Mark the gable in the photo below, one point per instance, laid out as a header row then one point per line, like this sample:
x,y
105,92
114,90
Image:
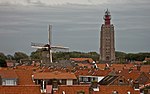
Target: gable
x,y
120,80
143,78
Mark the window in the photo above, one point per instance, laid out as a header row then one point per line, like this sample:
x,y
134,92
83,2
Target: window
x,y
80,79
95,79
120,81
9,82
89,79
107,58
85,79
69,82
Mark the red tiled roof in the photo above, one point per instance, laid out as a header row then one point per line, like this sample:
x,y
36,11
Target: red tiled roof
x,y
101,72
133,74
24,67
8,73
116,66
101,66
83,65
121,66
25,77
103,89
82,59
72,89
145,68
54,75
92,72
20,90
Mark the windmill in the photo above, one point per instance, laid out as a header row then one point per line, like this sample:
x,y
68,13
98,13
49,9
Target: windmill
x,y
49,48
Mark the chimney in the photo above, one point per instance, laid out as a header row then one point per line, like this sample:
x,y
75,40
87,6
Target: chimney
x,y
139,67
107,66
90,90
94,86
136,85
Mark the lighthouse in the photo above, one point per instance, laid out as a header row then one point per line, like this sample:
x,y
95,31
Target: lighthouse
x,y
107,42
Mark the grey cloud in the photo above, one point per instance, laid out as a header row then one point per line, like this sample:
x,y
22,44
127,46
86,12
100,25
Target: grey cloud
x,y
75,26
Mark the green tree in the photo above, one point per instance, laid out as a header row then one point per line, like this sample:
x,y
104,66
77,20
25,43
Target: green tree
x,y
137,56
68,55
10,57
2,63
36,55
120,56
20,55
2,56
94,56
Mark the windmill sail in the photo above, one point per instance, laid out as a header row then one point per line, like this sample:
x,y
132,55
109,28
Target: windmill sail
x,y
47,54
50,39
38,45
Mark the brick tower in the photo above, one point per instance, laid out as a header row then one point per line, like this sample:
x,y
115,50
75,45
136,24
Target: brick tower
x,y
107,43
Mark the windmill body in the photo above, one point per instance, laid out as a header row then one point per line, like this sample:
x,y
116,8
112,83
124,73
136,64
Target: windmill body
x,y
48,48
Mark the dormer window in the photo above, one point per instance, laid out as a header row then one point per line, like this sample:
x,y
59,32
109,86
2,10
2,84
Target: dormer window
x,y
9,82
120,81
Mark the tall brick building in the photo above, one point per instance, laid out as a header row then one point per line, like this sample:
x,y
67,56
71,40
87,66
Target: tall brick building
x,y
107,43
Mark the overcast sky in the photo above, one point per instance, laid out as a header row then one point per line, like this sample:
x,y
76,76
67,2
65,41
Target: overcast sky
x,y
76,24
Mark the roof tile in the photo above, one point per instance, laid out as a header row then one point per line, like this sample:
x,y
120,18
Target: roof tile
x,y
54,75
20,89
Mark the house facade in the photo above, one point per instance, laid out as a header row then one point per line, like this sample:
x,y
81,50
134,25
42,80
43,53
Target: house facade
x,y
53,79
8,78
